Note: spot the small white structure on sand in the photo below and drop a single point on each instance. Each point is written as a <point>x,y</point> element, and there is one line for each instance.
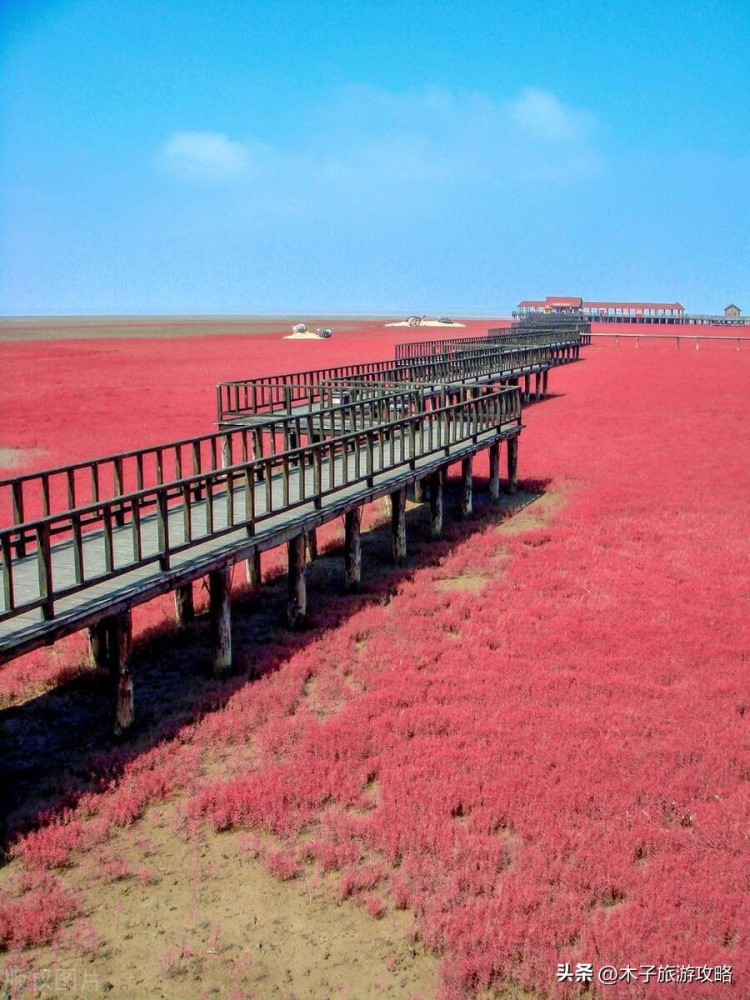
<point>301,332</point>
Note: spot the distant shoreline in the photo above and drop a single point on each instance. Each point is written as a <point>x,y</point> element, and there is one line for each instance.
<point>30,328</point>
<point>34,328</point>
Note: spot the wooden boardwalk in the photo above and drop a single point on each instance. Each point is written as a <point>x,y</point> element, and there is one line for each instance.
<point>87,542</point>
<point>254,401</point>
<point>504,337</point>
<point>91,562</point>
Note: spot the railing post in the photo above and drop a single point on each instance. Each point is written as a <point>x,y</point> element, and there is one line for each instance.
<point>163,528</point>
<point>371,457</point>
<point>5,556</point>
<point>18,517</point>
<point>119,511</point>
<point>44,564</point>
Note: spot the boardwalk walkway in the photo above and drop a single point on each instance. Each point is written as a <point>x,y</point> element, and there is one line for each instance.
<point>254,401</point>
<point>87,542</point>
<point>136,545</point>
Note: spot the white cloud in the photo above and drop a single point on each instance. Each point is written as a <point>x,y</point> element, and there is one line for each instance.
<point>373,145</point>
<point>539,114</point>
<point>206,154</point>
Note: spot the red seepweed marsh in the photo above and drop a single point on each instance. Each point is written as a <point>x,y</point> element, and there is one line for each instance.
<point>527,750</point>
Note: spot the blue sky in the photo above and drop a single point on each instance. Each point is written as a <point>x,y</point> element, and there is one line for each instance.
<point>371,156</point>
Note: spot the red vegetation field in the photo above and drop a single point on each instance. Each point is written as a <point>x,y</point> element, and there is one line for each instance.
<point>536,742</point>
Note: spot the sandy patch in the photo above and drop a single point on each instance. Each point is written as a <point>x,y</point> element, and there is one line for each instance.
<point>19,458</point>
<point>425,322</point>
<point>537,511</point>
<point>205,918</point>
<point>307,335</point>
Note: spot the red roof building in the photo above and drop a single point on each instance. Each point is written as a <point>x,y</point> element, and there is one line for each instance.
<point>557,304</point>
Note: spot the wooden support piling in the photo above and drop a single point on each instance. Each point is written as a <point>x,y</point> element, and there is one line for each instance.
<point>495,472</point>
<point>253,572</point>
<point>99,644</point>
<point>538,386</point>
<point>545,381</point>
<point>526,388</point>
<point>436,505</point>
<point>119,642</point>
<point>296,611</point>
<point>419,491</point>
<point>513,464</point>
<point>220,611</point>
<point>184,608</point>
<point>311,539</point>
<point>353,549</point>
<point>398,525</point>
<point>466,488</point>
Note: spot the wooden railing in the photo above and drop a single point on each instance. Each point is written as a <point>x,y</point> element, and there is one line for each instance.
<point>87,483</point>
<point>428,348</point>
<point>515,336</point>
<point>262,397</point>
<point>240,496</point>
<point>271,394</point>
<point>280,393</point>
<point>676,337</point>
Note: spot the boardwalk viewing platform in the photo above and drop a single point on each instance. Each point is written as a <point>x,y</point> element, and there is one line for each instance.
<point>87,542</point>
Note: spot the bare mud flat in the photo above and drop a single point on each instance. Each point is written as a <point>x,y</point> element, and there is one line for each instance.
<point>17,458</point>
<point>149,327</point>
<point>206,919</point>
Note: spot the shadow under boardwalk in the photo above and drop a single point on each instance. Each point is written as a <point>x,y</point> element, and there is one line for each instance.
<point>58,745</point>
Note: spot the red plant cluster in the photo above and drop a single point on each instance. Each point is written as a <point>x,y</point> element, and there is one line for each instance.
<point>553,768</point>
<point>33,917</point>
